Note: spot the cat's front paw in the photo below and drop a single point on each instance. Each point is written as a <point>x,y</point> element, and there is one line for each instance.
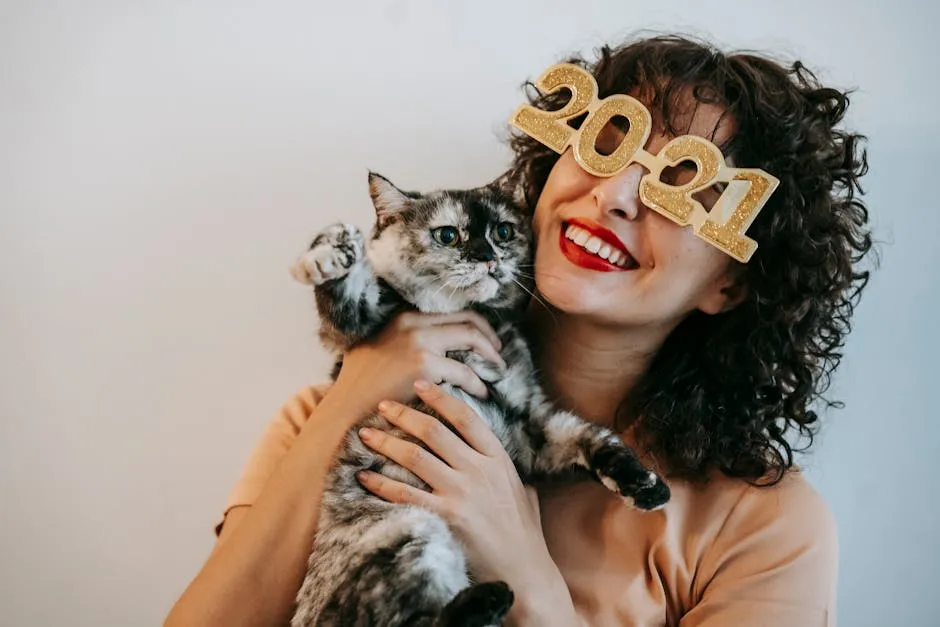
<point>480,605</point>
<point>485,369</point>
<point>331,255</point>
<point>618,468</point>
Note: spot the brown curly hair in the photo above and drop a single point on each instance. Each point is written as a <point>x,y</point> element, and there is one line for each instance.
<point>728,391</point>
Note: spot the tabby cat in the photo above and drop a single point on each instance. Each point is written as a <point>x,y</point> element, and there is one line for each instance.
<point>385,564</point>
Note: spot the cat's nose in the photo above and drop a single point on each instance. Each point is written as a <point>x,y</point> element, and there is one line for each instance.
<point>490,266</point>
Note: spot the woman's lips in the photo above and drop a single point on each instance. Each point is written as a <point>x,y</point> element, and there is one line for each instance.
<point>602,233</point>
<point>591,246</point>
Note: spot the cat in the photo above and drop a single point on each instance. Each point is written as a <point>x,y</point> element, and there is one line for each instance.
<point>380,563</point>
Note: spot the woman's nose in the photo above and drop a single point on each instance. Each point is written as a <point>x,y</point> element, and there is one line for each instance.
<point>618,195</point>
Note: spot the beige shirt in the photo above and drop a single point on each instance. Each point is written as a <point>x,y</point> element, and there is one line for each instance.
<point>725,554</point>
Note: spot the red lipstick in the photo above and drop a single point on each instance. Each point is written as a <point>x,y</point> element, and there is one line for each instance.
<point>603,234</point>
<point>585,259</point>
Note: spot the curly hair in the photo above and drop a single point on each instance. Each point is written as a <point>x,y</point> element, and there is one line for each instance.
<point>728,392</point>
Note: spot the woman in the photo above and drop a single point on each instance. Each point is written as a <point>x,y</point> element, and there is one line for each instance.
<point>704,364</point>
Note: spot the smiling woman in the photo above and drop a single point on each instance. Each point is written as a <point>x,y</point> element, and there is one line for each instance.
<point>641,326</point>
<point>723,391</point>
<point>674,273</point>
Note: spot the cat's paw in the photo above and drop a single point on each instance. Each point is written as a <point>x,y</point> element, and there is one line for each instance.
<point>621,472</point>
<point>480,605</point>
<point>485,369</point>
<point>331,255</point>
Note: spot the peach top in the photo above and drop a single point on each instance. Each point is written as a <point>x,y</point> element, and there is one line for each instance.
<point>723,554</point>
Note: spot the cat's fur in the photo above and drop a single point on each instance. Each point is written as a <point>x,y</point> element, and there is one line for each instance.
<point>385,564</point>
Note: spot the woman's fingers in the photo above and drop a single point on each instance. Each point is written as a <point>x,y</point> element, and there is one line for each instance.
<point>463,337</point>
<point>409,455</point>
<point>449,371</point>
<point>413,320</point>
<point>396,491</point>
<point>444,442</point>
<point>434,335</point>
<point>468,424</point>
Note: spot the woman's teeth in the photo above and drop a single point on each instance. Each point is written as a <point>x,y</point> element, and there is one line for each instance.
<point>595,245</point>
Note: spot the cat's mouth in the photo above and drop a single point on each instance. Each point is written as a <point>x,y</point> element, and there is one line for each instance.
<point>474,277</point>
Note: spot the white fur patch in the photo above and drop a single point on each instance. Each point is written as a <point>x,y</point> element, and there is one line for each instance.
<point>563,430</point>
<point>515,386</point>
<point>407,521</point>
<point>449,213</point>
<point>360,283</point>
<point>444,558</point>
<point>610,484</point>
<point>384,253</point>
<point>324,262</point>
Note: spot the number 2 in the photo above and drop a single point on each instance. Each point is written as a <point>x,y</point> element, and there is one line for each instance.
<point>551,127</point>
<point>724,226</point>
<point>676,202</point>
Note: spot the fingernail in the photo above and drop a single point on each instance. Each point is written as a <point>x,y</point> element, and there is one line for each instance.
<point>422,386</point>
<point>364,476</point>
<point>385,406</point>
<point>365,433</point>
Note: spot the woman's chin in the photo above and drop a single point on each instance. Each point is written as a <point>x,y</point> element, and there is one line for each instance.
<point>564,293</point>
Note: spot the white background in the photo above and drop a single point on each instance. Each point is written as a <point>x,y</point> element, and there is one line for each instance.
<point>162,163</point>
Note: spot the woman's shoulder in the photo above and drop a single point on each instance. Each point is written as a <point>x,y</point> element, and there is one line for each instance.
<point>790,508</point>
<point>783,535</point>
<point>791,503</point>
<point>767,555</point>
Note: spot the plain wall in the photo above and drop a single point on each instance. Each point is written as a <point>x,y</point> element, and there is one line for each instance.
<point>162,164</point>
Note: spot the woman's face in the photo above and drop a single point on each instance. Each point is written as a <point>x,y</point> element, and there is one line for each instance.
<point>666,273</point>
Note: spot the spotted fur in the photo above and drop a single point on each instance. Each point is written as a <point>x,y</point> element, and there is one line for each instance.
<point>379,563</point>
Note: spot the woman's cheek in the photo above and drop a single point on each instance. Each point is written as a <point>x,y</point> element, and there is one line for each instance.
<point>537,221</point>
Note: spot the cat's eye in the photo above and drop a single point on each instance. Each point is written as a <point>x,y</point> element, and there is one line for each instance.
<point>503,232</point>
<point>446,236</point>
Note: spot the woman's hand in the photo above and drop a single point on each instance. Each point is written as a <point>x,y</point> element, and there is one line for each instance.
<point>477,491</point>
<point>413,346</point>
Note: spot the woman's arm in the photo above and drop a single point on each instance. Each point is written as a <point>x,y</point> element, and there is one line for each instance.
<point>259,561</point>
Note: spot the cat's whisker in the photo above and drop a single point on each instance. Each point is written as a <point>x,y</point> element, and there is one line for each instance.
<point>543,274</point>
<point>446,283</point>
<point>535,296</point>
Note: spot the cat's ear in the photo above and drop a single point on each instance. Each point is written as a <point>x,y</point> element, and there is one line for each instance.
<point>387,199</point>
<point>510,184</point>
